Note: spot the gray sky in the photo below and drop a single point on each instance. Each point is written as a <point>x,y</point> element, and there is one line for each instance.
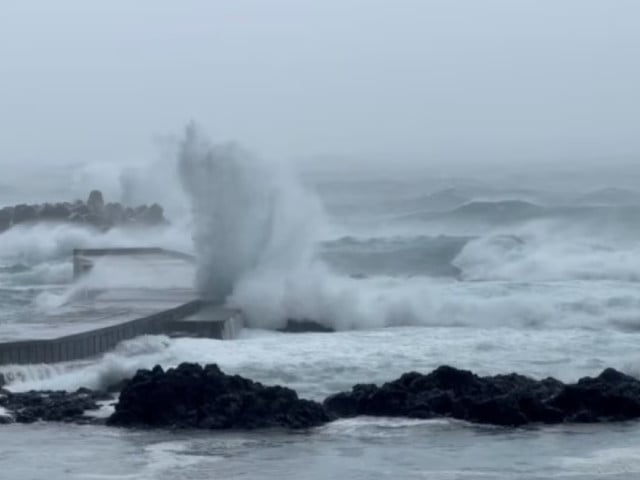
<point>414,80</point>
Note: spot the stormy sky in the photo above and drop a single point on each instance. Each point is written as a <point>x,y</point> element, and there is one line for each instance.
<point>380,80</point>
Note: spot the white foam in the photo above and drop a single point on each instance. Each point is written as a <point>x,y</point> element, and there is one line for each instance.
<point>543,251</point>
<point>4,413</point>
<point>34,244</point>
<point>382,427</point>
<point>317,365</point>
<point>605,462</point>
<point>32,374</point>
<point>163,458</point>
<point>123,362</point>
<point>105,411</point>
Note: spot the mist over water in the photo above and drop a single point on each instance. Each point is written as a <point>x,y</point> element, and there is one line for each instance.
<point>440,182</point>
<point>475,274</point>
<point>359,252</point>
<point>258,234</point>
<point>265,245</point>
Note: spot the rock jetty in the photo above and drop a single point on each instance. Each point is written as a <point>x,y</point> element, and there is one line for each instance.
<point>93,212</point>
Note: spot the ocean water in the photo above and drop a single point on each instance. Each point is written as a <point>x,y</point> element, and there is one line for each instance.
<point>412,274</point>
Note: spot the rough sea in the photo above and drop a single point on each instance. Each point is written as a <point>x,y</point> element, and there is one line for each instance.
<point>411,273</point>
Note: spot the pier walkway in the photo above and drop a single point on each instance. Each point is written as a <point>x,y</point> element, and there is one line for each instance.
<point>118,294</point>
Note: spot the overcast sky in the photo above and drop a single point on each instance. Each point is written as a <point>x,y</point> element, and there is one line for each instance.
<point>389,79</point>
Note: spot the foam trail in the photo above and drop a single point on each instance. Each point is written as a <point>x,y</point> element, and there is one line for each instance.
<point>317,365</point>
<point>123,362</point>
<point>545,251</point>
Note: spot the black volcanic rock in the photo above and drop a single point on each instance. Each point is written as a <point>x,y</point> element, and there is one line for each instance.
<point>192,396</point>
<point>53,406</point>
<point>510,400</point>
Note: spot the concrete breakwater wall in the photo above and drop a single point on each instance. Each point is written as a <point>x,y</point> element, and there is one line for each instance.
<point>195,318</point>
<point>82,257</point>
<point>94,342</point>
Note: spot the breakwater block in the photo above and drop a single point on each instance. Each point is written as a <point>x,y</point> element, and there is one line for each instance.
<point>305,326</point>
<point>211,322</point>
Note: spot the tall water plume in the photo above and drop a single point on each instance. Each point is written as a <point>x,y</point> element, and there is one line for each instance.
<point>248,214</point>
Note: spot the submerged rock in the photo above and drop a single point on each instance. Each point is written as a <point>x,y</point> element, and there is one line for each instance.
<point>52,406</point>
<point>192,396</point>
<point>509,400</point>
<point>304,326</point>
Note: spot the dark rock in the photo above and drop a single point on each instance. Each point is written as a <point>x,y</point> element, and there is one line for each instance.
<point>117,386</point>
<point>509,400</point>
<point>114,213</point>
<point>610,396</point>
<point>57,406</point>
<point>6,216</point>
<point>24,213</point>
<point>140,211</point>
<point>58,211</point>
<point>192,396</point>
<point>304,326</point>
<point>94,213</point>
<point>95,202</point>
<point>80,209</point>
<point>153,215</point>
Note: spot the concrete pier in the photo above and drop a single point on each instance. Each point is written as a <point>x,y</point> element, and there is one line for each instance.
<point>98,317</point>
<point>83,258</point>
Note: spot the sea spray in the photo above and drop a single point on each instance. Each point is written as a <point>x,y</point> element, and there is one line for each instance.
<point>249,215</point>
<point>257,234</point>
<point>258,237</point>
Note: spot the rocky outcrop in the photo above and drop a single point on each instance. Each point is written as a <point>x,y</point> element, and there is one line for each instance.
<point>192,396</point>
<point>509,400</point>
<point>54,406</point>
<point>93,212</point>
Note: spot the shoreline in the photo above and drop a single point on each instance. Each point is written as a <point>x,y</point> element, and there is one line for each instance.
<point>193,396</point>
